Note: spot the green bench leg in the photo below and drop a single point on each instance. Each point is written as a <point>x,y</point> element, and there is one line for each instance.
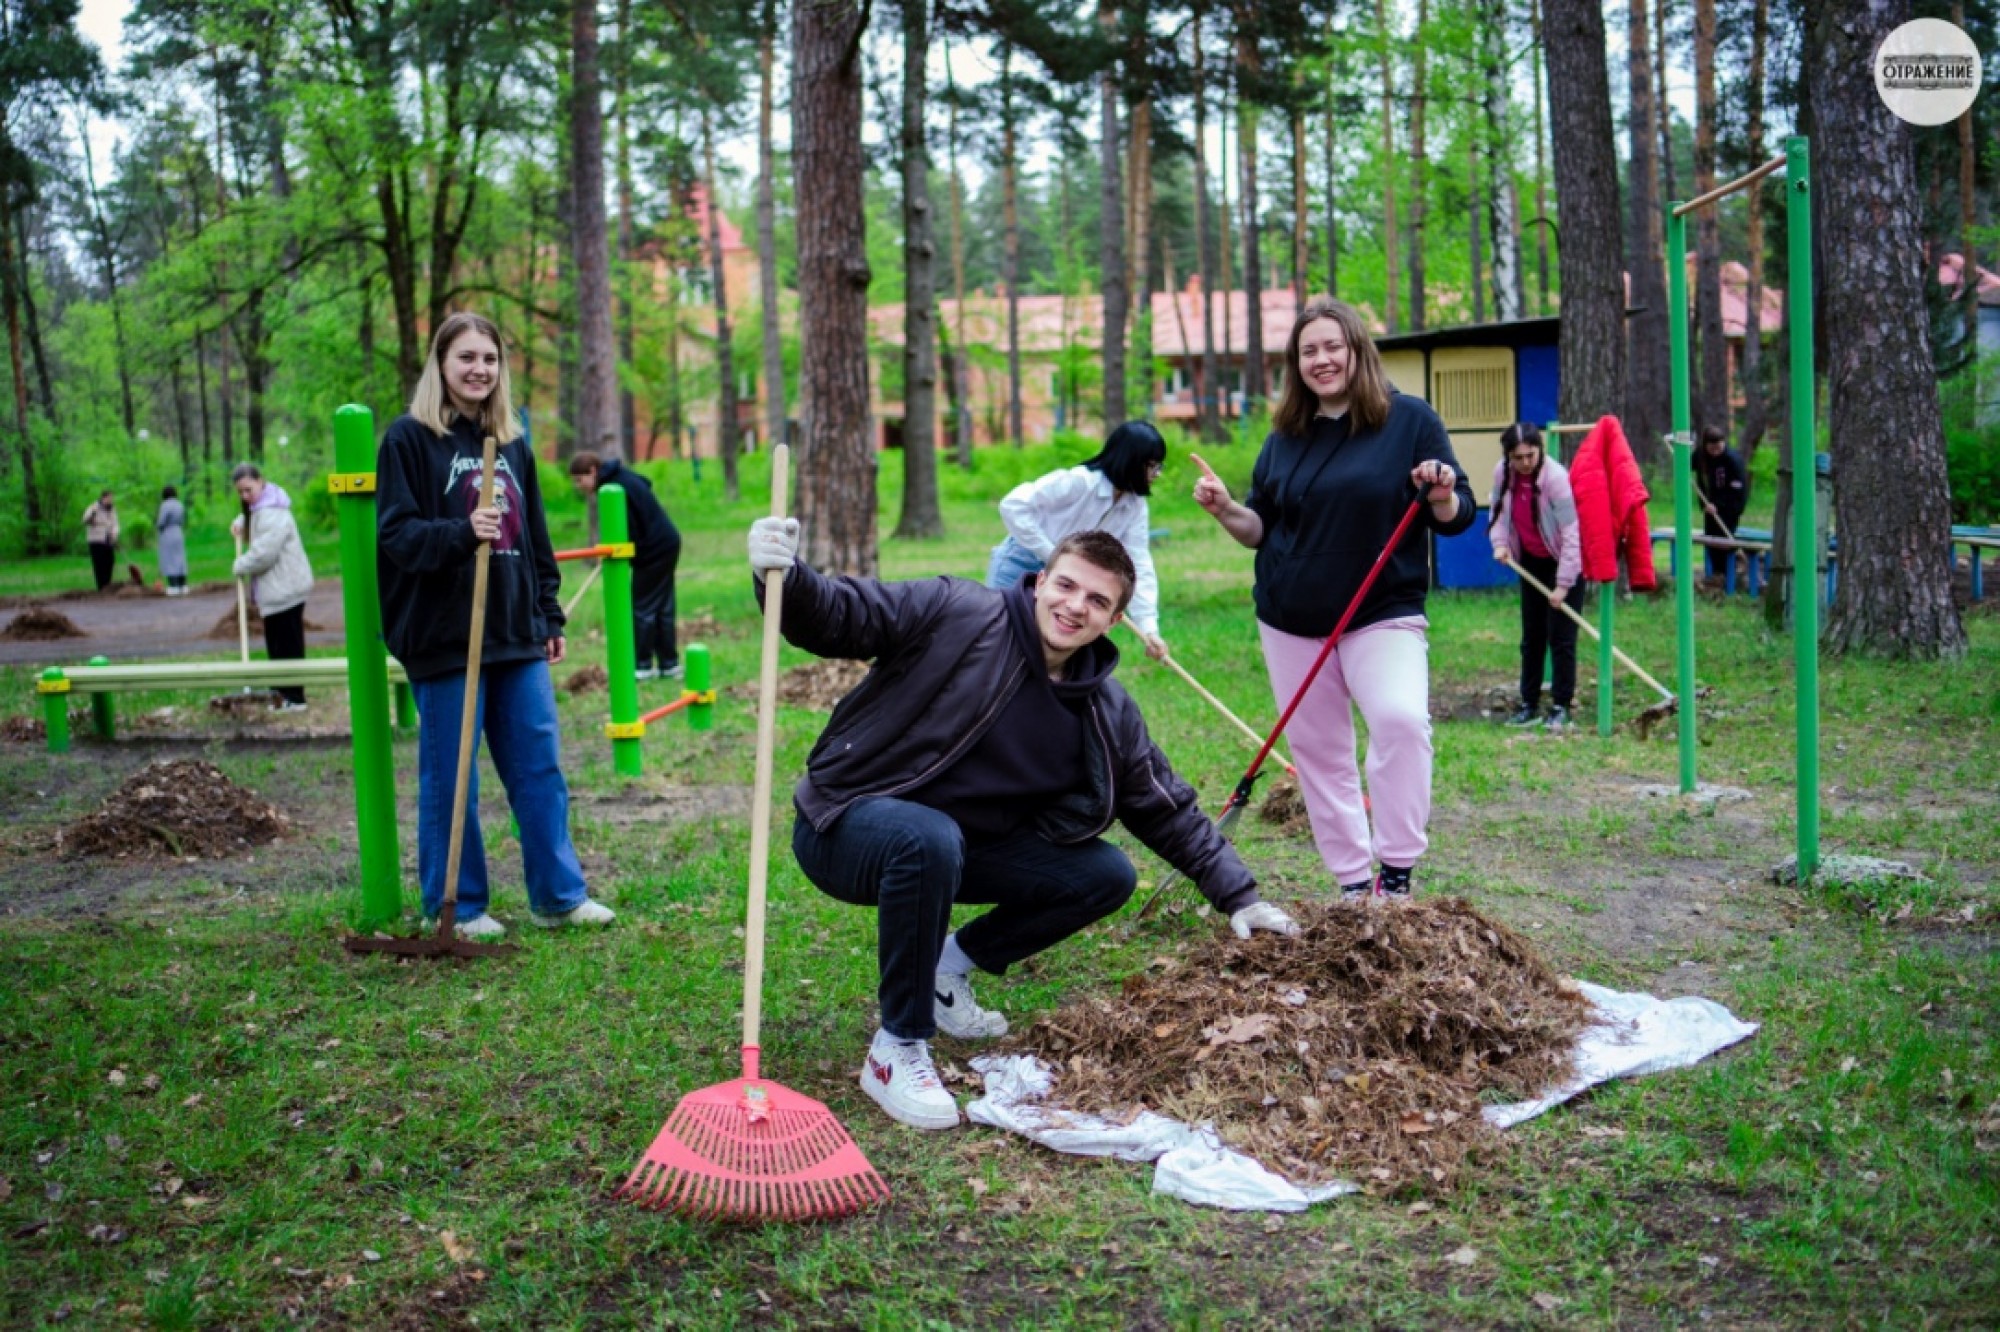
<point>55,712</point>
<point>102,718</point>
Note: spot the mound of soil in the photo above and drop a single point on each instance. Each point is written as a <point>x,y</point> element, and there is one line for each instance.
<point>587,681</point>
<point>702,628</point>
<point>225,628</point>
<point>23,730</point>
<point>1284,808</point>
<point>817,684</point>
<point>180,808</point>
<point>1360,1049</point>
<point>256,703</point>
<point>39,624</point>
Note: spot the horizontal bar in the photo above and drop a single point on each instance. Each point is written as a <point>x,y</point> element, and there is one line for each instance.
<point>664,709</point>
<point>212,674</point>
<point>586,553</point>
<point>1724,191</point>
<point>1569,429</point>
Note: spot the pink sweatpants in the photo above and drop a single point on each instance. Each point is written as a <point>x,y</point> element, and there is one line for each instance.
<point>1384,669</point>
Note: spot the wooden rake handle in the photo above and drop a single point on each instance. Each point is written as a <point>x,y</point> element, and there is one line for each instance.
<point>468,720</point>
<point>1590,629</point>
<point>760,806</point>
<point>242,602</point>
<point>1223,708</point>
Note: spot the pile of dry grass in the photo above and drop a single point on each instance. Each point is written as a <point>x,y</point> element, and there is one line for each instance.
<point>225,628</point>
<point>817,684</point>
<point>23,730</point>
<point>1360,1049</point>
<point>1284,807</point>
<point>588,680</point>
<point>39,624</point>
<point>180,808</point>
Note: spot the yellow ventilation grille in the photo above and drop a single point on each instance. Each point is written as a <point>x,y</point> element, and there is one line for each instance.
<point>1474,397</point>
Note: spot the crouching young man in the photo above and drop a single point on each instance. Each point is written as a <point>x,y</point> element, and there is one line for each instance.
<point>980,761</point>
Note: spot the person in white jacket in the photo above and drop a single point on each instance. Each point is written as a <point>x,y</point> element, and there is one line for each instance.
<point>1533,526</point>
<point>275,561</point>
<point>1106,493</point>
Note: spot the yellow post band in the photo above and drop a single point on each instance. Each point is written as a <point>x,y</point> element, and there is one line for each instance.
<point>704,696</point>
<point>52,686</point>
<point>622,550</point>
<point>625,730</point>
<point>351,483</point>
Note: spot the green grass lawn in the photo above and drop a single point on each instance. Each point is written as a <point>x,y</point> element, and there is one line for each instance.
<point>216,1117</point>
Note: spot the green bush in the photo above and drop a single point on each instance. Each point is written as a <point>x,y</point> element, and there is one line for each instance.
<point>1972,463</point>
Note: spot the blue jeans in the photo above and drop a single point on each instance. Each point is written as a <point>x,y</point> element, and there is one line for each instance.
<point>517,714</point>
<point>912,863</point>
<point>1011,562</point>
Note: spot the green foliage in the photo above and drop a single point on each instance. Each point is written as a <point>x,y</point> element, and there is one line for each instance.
<point>1972,458</point>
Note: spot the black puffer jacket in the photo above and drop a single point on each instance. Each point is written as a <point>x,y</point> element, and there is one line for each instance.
<point>945,665</point>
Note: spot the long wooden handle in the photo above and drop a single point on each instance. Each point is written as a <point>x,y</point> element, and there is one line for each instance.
<point>468,719</point>
<point>760,807</point>
<point>242,604</point>
<point>1223,708</point>
<point>1708,503</point>
<point>570,608</point>
<point>1590,629</point>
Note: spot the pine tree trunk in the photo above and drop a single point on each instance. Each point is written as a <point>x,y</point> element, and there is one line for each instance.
<point>1711,398</point>
<point>597,351</point>
<point>1541,167</point>
<point>1472,237</point>
<point>627,413</point>
<point>108,260</point>
<point>1138,257</point>
<point>1750,430</point>
<point>1389,279</point>
<point>836,467</point>
<point>1010,259</point>
<point>1661,106</point>
<point>1647,372</point>
<point>1503,211</point>
<point>1253,263</point>
<point>1301,226</point>
<point>1968,215</point>
<point>1111,233</point>
<point>1332,199</point>
<point>37,540</point>
<point>1891,497</point>
<point>1586,169</point>
<point>1208,389</point>
<point>920,516</point>
<point>957,368</point>
<point>1420,187</point>
<point>767,231</point>
<point>729,441</point>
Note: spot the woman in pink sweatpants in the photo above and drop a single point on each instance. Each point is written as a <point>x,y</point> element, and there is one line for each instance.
<point>1345,458</point>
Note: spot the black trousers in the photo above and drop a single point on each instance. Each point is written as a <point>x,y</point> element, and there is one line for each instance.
<point>285,640</point>
<point>103,559</point>
<point>653,611</point>
<point>1547,631</point>
<point>1717,561</point>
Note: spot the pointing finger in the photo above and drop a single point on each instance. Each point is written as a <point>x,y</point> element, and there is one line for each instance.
<point>1206,470</point>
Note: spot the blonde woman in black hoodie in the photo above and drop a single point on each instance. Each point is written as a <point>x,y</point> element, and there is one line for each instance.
<point>430,526</point>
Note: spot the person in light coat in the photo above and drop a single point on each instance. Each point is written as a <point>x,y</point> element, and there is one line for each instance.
<point>100,529</point>
<point>1533,526</point>
<point>275,561</point>
<point>1106,493</point>
<point>171,524</point>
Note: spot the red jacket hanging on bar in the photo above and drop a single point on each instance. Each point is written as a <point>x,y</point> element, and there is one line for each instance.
<point>1611,507</point>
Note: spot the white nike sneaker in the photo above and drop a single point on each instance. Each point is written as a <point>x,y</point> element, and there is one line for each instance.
<point>902,1080</point>
<point>959,1014</point>
<point>591,912</point>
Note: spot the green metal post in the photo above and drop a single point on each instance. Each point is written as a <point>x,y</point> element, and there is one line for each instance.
<point>406,706</point>
<point>1607,599</point>
<point>700,680</point>
<point>103,720</point>
<point>1681,453</point>
<point>628,757</point>
<point>55,712</point>
<point>367,668</point>
<point>1805,533</point>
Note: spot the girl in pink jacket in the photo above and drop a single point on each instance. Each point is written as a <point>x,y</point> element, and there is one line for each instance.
<point>1533,525</point>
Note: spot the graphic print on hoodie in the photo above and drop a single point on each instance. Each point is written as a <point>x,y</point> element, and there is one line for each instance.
<point>464,482</point>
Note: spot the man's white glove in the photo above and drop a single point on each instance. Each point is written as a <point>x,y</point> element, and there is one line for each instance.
<point>774,544</point>
<point>1262,916</point>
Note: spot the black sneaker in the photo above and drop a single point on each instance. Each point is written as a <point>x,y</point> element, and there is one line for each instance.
<point>1558,719</point>
<point>1356,892</point>
<point>1393,884</point>
<point>1525,715</point>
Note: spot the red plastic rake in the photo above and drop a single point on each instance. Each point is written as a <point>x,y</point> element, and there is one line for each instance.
<point>751,1150</point>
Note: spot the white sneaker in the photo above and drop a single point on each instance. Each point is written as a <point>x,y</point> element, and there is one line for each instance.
<point>481,926</point>
<point>902,1080</point>
<point>673,672</point>
<point>959,1014</point>
<point>590,913</point>
<point>647,673</point>
<point>286,705</point>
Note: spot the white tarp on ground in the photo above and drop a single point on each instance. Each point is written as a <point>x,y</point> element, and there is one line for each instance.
<point>1639,1034</point>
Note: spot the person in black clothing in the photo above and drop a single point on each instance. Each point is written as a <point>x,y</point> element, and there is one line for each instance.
<point>656,550</point>
<point>430,525</point>
<point>981,761</point>
<point>1346,457</point>
<point>1725,489</point>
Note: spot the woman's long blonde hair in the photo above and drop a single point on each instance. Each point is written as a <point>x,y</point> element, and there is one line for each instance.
<point>1367,383</point>
<point>431,405</point>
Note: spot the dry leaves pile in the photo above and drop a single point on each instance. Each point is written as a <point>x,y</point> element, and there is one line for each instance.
<point>1358,1050</point>
<point>182,808</point>
<point>588,680</point>
<point>255,703</point>
<point>39,624</point>
<point>1284,808</point>
<point>817,684</point>
<point>23,730</point>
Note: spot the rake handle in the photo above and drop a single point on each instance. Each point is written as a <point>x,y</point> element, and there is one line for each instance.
<point>760,807</point>
<point>595,569</point>
<point>1221,707</point>
<point>468,717</point>
<point>1589,628</point>
<point>242,604</point>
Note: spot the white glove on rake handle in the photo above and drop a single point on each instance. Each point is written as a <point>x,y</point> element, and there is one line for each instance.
<point>1262,916</point>
<point>774,544</point>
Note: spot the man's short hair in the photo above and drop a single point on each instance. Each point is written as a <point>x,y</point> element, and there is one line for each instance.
<point>1713,435</point>
<point>584,463</point>
<point>1105,551</point>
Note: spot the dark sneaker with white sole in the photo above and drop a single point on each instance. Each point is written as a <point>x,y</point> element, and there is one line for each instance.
<point>959,1014</point>
<point>1525,716</point>
<point>1558,719</point>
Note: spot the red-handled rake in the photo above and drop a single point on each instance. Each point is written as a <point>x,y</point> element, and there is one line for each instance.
<point>751,1150</point>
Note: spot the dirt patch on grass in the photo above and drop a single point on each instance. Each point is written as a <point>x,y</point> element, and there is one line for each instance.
<point>817,684</point>
<point>1480,703</point>
<point>671,804</point>
<point>1284,808</point>
<point>1360,1049</point>
<point>587,681</point>
<point>225,630</point>
<point>23,730</point>
<point>177,809</point>
<point>39,624</point>
<point>704,627</point>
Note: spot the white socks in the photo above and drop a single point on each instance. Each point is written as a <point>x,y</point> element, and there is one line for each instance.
<point>953,961</point>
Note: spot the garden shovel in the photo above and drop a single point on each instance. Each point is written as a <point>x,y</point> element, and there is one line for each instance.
<point>446,943</point>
